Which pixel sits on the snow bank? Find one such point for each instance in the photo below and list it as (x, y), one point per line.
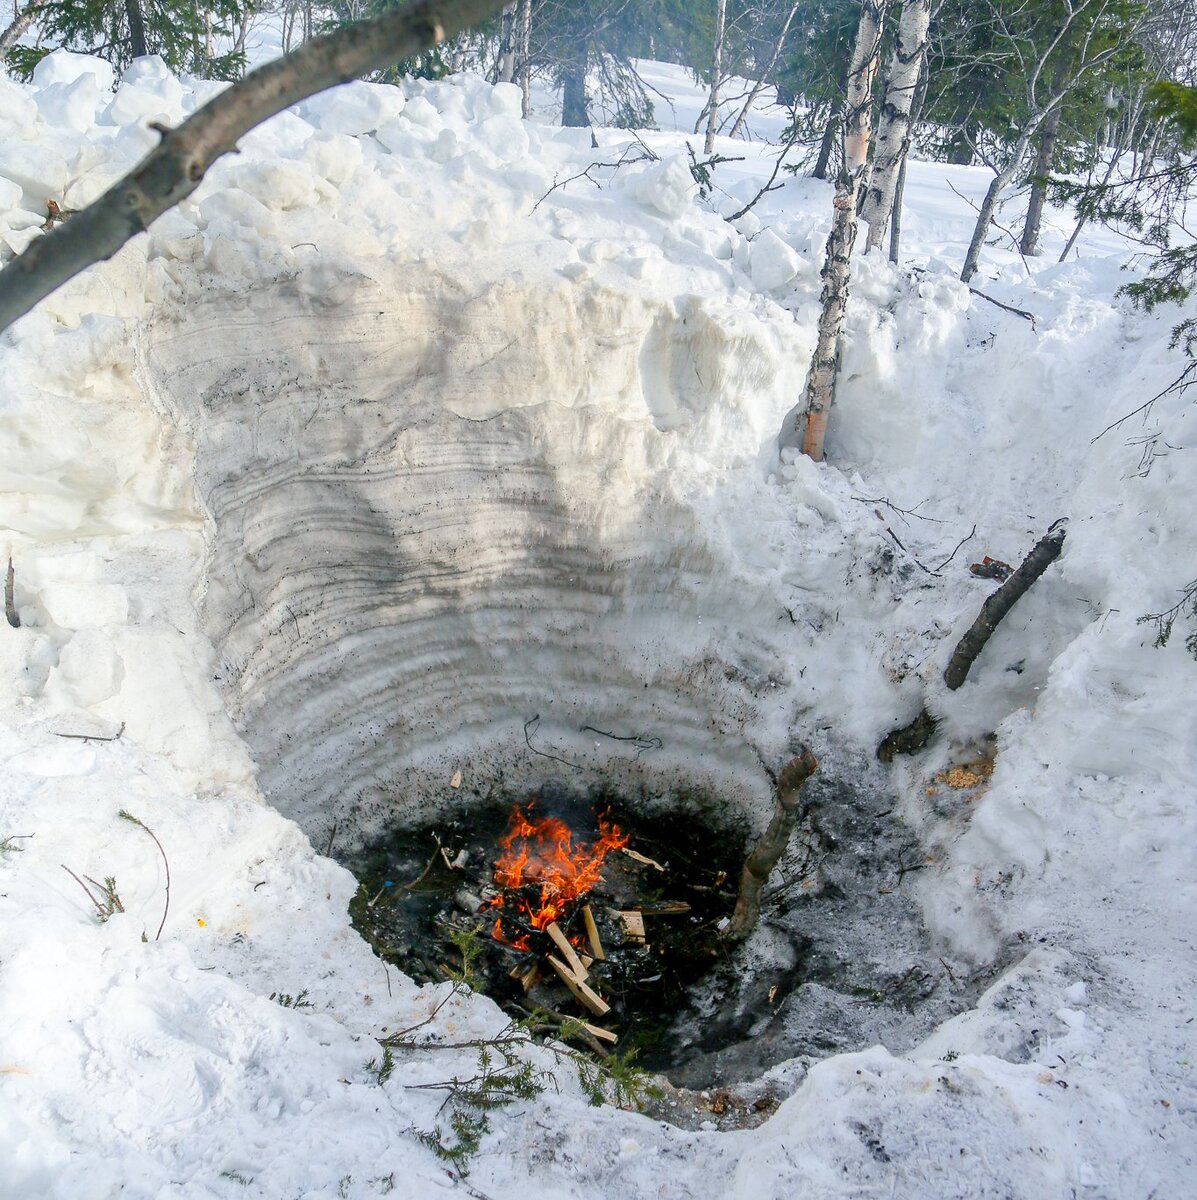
(382, 445)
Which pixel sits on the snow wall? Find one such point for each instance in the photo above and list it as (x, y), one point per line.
(442, 503)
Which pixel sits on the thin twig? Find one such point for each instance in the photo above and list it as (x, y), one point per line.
(534, 722)
(905, 512)
(1018, 312)
(971, 535)
(86, 890)
(1178, 384)
(94, 737)
(128, 816)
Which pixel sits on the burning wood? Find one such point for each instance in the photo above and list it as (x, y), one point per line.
(581, 993)
(592, 934)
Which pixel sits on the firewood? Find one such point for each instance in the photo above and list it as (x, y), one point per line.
(582, 994)
(641, 858)
(633, 925)
(592, 934)
(666, 908)
(586, 961)
(603, 1035)
(525, 975)
(567, 951)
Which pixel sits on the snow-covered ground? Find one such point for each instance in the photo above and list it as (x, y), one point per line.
(380, 445)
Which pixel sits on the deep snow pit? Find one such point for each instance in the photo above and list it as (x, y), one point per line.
(466, 536)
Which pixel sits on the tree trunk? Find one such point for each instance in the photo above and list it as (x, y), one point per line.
(989, 205)
(895, 221)
(708, 145)
(573, 92)
(13, 34)
(1029, 245)
(820, 380)
(828, 142)
(524, 21)
(505, 67)
(893, 129)
(764, 75)
(137, 46)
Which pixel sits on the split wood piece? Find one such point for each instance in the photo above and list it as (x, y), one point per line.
(633, 925)
(765, 854)
(592, 934)
(642, 858)
(567, 951)
(586, 960)
(667, 908)
(526, 976)
(603, 1035)
(582, 994)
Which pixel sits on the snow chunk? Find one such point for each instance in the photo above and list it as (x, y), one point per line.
(148, 92)
(505, 137)
(773, 263)
(10, 194)
(505, 100)
(667, 186)
(279, 185)
(333, 156)
(17, 109)
(71, 104)
(65, 67)
(41, 173)
(353, 108)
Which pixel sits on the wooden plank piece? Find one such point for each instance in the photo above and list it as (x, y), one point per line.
(603, 1035)
(633, 925)
(567, 951)
(592, 934)
(582, 994)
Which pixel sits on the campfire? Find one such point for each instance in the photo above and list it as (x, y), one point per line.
(597, 922)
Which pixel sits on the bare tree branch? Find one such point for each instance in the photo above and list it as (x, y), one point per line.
(173, 170)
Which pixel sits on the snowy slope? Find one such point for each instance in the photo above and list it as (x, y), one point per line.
(378, 446)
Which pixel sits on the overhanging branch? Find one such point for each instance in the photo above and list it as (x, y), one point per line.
(175, 167)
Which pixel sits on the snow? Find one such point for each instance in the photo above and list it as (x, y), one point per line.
(400, 431)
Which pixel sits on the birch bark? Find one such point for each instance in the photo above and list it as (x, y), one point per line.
(893, 127)
(820, 381)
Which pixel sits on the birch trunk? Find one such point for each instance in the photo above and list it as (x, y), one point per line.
(893, 128)
(13, 34)
(524, 21)
(716, 71)
(820, 380)
(505, 68)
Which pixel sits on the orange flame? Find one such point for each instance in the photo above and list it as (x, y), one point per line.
(543, 853)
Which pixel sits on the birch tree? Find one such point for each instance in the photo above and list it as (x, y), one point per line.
(857, 130)
(716, 76)
(893, 126)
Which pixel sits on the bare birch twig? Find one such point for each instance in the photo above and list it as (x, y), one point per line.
(174, 169)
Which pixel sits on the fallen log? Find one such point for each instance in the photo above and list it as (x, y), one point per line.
(766, 853)
(1045, 552)
(915, 735)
